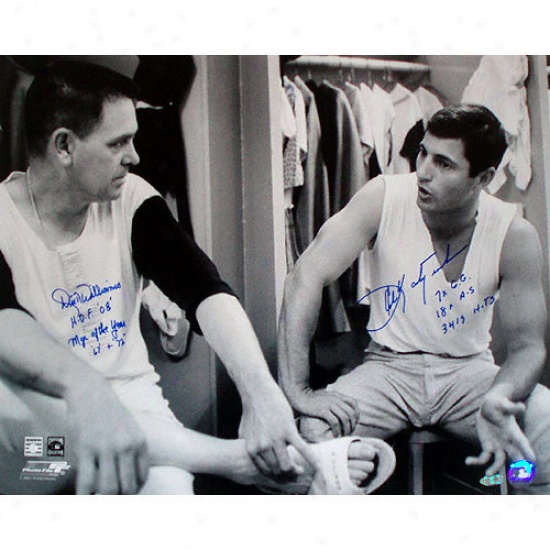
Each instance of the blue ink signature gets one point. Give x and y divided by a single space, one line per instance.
394 294
422 278
392 297
84 293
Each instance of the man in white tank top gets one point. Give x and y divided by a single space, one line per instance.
441 252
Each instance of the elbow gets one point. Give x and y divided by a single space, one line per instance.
532 353
303 280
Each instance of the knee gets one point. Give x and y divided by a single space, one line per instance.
314 430
26 413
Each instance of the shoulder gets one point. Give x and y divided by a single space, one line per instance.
135 192
369 199
402 181
401 188
15 186
521 251
385 189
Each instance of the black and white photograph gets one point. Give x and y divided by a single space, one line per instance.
373 234
242 278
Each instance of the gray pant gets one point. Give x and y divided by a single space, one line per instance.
396 391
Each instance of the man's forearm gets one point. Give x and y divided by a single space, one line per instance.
228 331
298 323
520 373
31 357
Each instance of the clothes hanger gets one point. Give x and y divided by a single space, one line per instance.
341 79
370 80
389 80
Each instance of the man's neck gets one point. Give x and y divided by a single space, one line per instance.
449 225
51 192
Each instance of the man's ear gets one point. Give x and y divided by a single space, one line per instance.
486 177
63 141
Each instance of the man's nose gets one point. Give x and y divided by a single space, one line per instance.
131 157
423 168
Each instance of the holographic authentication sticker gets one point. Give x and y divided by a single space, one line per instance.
521 471
489 481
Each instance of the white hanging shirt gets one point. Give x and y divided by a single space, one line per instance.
379 108
429 103
364 124
407 114
288 120
499 85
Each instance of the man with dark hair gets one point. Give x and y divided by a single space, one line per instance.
78 235
441 252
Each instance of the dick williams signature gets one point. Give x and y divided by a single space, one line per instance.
84 293
394 294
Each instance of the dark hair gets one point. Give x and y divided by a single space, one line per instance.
480 131
70 94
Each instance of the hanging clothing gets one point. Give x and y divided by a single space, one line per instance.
380 110
311 201
164 82
295 149
13 147
343 156
7 77
364 125
341 145
411 145
294 153
288 120
288 131
429 103
407 129
499 84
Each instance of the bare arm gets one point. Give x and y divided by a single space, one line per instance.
523 314
338 244
109 461
268 424
522 311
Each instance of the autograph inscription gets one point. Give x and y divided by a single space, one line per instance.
394 296
83 294
92 314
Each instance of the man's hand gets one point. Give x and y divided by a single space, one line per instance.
339 411
110 447
500 435
268 427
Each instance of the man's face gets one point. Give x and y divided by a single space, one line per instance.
103 158
443 172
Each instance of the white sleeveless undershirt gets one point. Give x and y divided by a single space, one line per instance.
413 306
87 293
